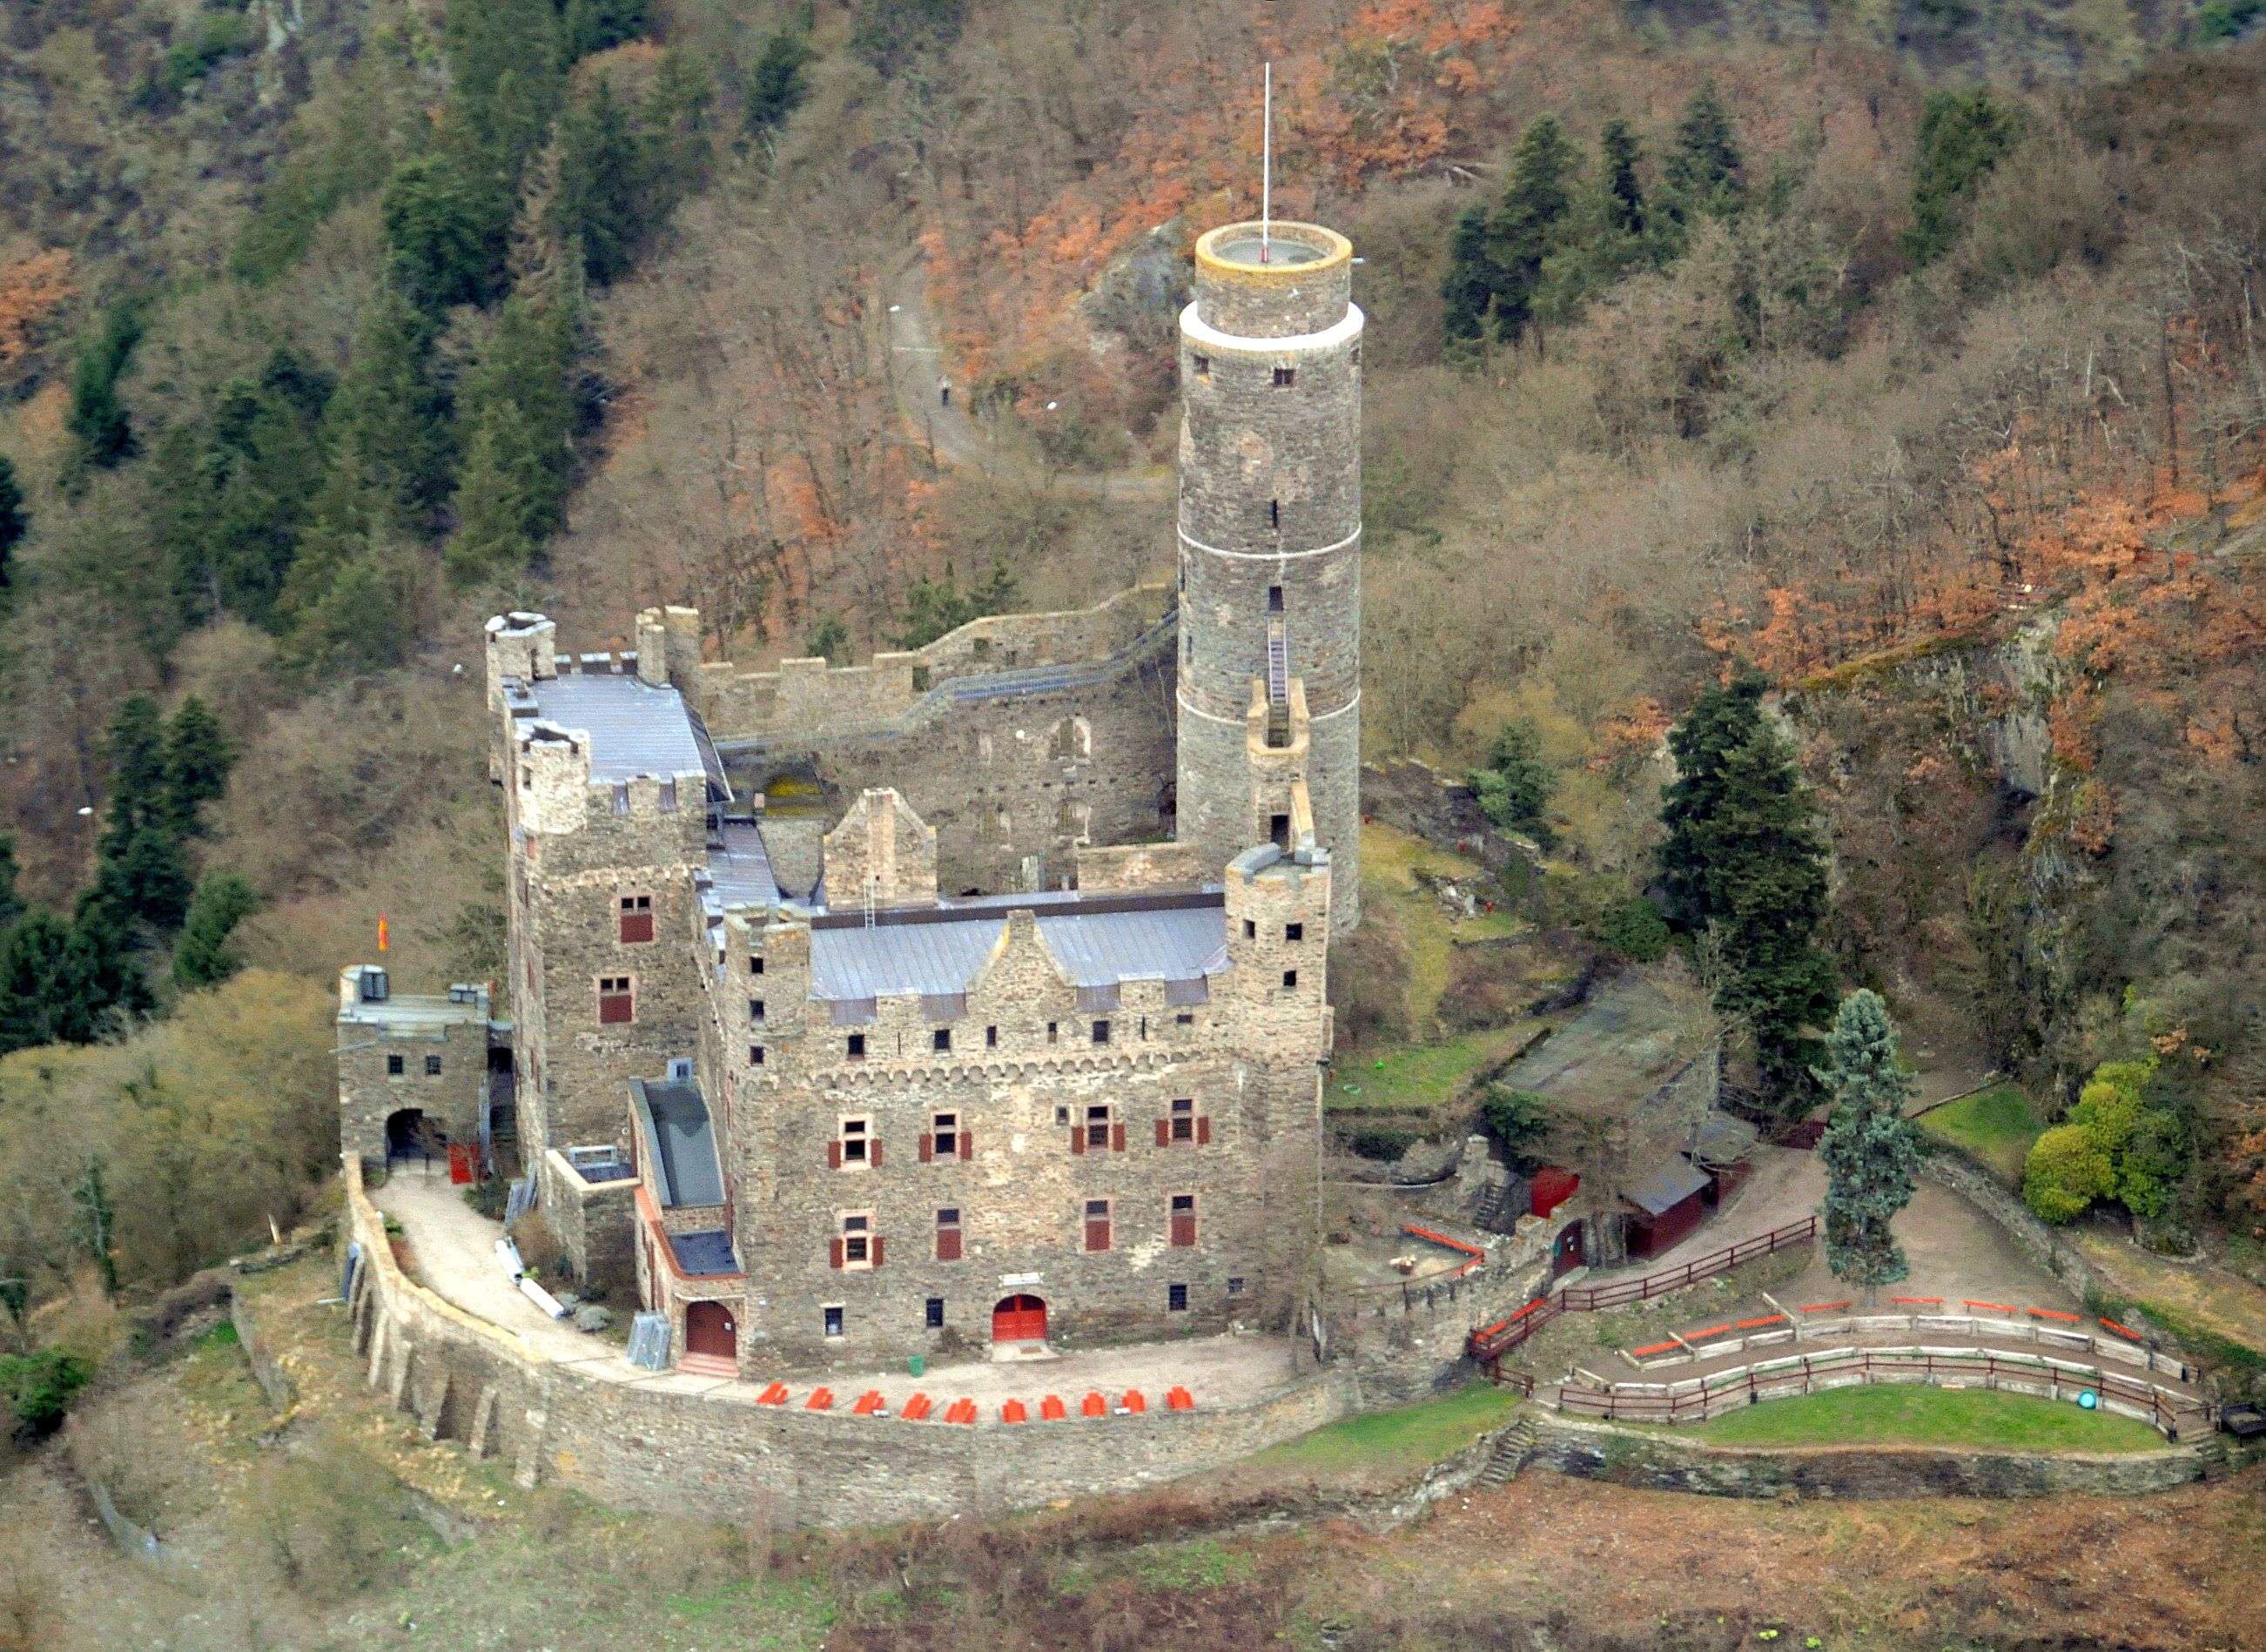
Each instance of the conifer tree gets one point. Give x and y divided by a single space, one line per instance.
776 84
198 757
1706 172
1467 286
498 497
602 180
444 213
1870 1158
202 959
12 905
15 522
1607 234
1963 136
1526 226
1745 861
97 418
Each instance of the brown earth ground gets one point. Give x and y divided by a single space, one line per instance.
461 1559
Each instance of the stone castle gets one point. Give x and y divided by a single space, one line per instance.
972 997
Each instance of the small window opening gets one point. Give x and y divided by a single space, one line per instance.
394 1067
1285 376
1097 1126
755 1009
857 1051
755 1055
1294 932
1235 1285
941 1039
947 1235
637 919
1184 1220
936 1314
1274 599
1250 928
857 1241
1051 1032
1176 1299
1186 1017
756 964
946 1129
1289 978
1202 364
1278 831
1275 520
1184 1121
1097 1225
855 1142
833 1322
991 1038
432 1066
1101 1032
617 1006
1062 1115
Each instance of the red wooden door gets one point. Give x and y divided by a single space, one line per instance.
1019 1319
1566 1253
709 1329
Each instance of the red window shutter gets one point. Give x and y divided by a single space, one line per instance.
967 1142
873 1153
875 1248
1184 1229
615 1009
1078 1138
947 1245
927 1147
1096 1236
1163 1132
834 1162
636 926
834 1252
1203 1131
1117 1138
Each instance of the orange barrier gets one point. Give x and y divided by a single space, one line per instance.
1768 1318
1013 1412
961 1410
1476 1254
820 1399
2056 1313
1050 1409
1094 1406
1657 1347
774 1395
1134 1402
1826 1307
868 1403
917 1409
1924 1302
1713 1330
1996 1307
1179 1398
2125 1330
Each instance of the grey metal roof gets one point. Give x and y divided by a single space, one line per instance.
635 728
1664 1188
1096 949
739 873
1723 1139
683 1142
705 1252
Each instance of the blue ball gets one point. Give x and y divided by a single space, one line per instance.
2088 1399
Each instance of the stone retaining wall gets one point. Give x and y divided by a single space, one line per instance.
666 1443
1668 1462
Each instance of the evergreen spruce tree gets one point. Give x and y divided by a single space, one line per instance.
202 959
1963 135
12 905
135 745
1467 286
1870 1158
1706 172
1744 859
497 498
198 757
15 522
444 216
97 418
1607 234
776 84
32 959
602 183
1526 226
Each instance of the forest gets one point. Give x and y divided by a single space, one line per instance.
1885 377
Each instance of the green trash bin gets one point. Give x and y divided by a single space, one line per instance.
916 1364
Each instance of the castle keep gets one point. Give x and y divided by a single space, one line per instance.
974 995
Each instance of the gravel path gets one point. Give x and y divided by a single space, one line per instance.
451 1252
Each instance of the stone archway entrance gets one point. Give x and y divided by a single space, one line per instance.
408 1136
1019 1319
710 1332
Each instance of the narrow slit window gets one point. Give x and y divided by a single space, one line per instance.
1274 599
1202 364
1285 376
1275 520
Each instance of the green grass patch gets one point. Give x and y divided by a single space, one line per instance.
1414 1077
1205 1563
1913 1414
1407 1439
1995 1127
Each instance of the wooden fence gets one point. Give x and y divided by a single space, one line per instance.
1701 1397
1491 1343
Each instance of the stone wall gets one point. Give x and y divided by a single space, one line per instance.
632 1441
369 1093
1665 1461
1404 1345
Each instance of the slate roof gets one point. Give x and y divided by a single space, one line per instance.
740 872
683 1142
1633 1037
705 1252
635 728
1097 948
1664 1188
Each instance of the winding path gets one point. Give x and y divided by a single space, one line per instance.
955 439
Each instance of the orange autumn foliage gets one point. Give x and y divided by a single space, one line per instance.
31 290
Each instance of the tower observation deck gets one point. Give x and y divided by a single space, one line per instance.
1271 543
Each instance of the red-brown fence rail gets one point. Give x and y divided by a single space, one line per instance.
1839 1367
1490 1343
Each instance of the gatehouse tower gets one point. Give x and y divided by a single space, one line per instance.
1270 679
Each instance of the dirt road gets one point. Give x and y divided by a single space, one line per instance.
946 431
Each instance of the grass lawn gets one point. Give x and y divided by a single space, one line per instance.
1404 1440
1390 863
1996 1126
1913 1414
1414 1077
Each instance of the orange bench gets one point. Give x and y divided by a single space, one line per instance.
916 1408
774 1395
1179 1398
962 1411
820 1399
1050 1410
1013 1412
868 1403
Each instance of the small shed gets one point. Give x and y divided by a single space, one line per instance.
1669 1202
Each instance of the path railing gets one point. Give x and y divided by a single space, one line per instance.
1490 1343
1701 1397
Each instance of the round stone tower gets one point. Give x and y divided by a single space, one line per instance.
1270 547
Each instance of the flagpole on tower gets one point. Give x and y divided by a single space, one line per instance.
1266 162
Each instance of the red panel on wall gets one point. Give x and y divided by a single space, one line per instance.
1552 1187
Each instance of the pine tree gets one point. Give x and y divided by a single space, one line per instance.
1526 226
202 959
1467 288
776 84
1606 236
592 26
1870 1158
12 905
135 744
602 179
1963 136
198 757
1744 859
1706 172
1515 788
15 522
96 417
444 223
32 959
499 497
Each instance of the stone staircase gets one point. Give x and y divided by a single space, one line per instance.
1514 1448
2212 1449
1495 1210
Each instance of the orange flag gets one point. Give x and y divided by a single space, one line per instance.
381 932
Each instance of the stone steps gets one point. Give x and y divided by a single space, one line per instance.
1512 1450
